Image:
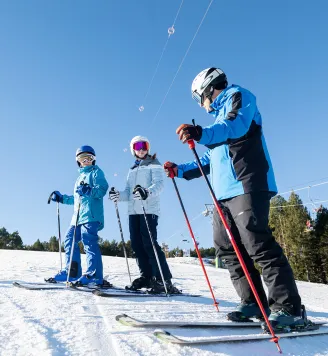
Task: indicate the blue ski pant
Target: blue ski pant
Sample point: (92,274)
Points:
(88,234)
(143,248)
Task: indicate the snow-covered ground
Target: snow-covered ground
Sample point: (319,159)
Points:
(78,323)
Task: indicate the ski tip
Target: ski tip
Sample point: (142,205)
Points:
(167,337)
(160,333)
(121,316)
(126,320)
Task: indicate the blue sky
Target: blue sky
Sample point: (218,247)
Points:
(75,72)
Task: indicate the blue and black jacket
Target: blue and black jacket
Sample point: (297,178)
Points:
(237,158)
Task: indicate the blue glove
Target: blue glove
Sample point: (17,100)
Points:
(57,197)
(84,189)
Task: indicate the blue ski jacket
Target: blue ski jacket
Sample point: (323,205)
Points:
(92,208)
(237,158)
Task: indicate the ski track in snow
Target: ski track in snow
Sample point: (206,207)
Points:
(68,322)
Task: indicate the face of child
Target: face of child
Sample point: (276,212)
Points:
(141,153)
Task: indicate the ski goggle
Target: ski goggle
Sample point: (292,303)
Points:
(197,97)
(141,145)
(85,158)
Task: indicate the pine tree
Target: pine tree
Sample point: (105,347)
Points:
(288,222)
(37,246)
(15,241)
(296,236)
(317,248)
(53,244)
(277,221)
(4,237)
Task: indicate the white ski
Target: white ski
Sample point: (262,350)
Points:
(165,336)
(129,321)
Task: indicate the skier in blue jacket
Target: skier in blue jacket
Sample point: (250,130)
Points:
(89,190)
(243,181)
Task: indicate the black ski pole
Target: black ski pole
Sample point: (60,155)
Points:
(73,242)
(195,243)
(154,248)
(59,234)
(122,237)
(275,339)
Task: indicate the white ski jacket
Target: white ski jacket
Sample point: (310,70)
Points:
(148,174)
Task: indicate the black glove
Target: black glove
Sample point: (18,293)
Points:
(189,132)
(114,195)
(140,193)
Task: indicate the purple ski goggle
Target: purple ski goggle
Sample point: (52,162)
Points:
(141,145)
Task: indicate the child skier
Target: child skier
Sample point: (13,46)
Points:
(90,188)
(145,182)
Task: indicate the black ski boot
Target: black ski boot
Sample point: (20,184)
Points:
(245,311)
(157,287)
(105,285)
(141,282)
(282,321)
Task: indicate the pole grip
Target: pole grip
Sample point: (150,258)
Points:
(191,144)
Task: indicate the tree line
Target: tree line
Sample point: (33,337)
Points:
(303,238)
(14,242)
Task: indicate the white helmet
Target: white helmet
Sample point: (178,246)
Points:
(205,82)
(138,139)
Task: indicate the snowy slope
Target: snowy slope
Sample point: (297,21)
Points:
(77,323)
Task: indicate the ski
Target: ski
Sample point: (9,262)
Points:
(129,293)
(60,286)
(167,337)
(47,286)
(129,321)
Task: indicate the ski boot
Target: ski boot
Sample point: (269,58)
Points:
(86,280)
(106,285)
(245,311)
(282,321)
(141,282)
(61,276)
(157,287)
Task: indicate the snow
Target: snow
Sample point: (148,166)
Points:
(65,322)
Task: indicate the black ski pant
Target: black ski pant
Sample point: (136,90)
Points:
(248,217)
(143,248)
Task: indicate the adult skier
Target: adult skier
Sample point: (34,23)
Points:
(144,185)
(243,181)
(89,190)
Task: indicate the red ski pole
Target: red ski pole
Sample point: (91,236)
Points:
(216,304)
(274,339)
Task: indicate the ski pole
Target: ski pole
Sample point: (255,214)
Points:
(274,339)
(73,242)
(122,237)
(195,243)
(154,248)
(59,234)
